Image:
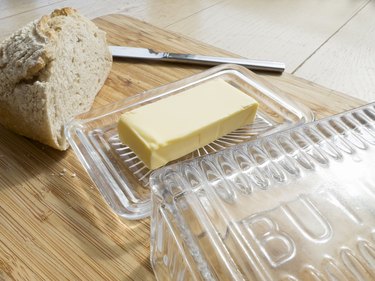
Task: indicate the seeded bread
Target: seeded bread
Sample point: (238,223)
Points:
(51,70)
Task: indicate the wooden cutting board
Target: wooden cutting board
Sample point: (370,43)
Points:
(54,224)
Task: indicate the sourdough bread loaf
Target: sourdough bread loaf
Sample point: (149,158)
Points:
(51,70)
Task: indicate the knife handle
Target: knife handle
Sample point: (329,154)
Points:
(209,60)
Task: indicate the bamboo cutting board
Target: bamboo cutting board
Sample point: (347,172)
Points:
(54,225)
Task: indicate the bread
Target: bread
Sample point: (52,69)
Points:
(51,70)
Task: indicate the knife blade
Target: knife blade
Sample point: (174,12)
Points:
(143,53)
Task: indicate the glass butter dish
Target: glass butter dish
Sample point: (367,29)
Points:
(121,176)
(296,205)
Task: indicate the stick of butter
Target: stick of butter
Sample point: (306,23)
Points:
(170,128)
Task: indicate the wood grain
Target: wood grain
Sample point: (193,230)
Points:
(163,13)
(54,223)
(287,31)
(15,14)
(324,41)
(346,62)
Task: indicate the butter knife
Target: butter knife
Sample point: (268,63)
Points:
(143,53)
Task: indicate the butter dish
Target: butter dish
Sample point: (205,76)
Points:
(296,205)
(123,179)
(173,127)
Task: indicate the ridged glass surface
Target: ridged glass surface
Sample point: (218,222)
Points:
(296,205)
(122,177)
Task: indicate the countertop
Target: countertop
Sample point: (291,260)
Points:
(327,42)
(54,223)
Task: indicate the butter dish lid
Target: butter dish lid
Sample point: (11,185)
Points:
(121,176)
(296,205)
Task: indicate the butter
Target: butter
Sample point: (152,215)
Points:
(170,128)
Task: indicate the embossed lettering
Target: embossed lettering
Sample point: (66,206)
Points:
(332,270)
(310,273)
(307,218)
(276,246)
(367,251)
(355,266)
(288,278)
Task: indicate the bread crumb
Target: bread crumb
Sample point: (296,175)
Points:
(73,175)
(62,173)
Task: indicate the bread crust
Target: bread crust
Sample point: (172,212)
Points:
(38,89)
